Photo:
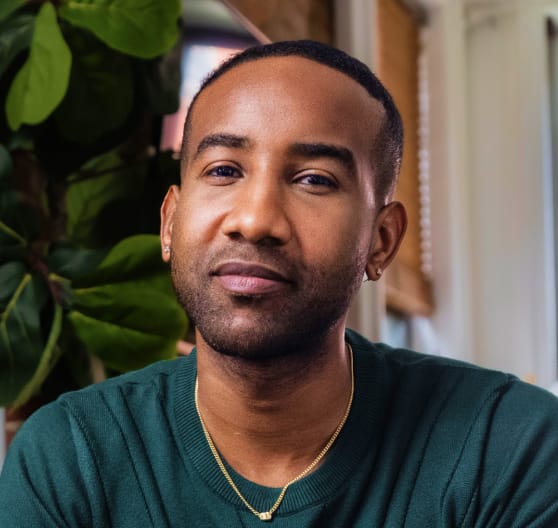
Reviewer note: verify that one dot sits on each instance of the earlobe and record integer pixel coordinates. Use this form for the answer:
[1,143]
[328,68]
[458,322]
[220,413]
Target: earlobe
[389,228]
[168,210]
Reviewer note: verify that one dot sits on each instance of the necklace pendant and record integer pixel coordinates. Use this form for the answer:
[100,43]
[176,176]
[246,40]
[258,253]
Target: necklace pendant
[265,516]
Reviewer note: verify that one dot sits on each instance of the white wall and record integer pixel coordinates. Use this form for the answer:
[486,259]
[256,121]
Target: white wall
[510,188]
[493,135]
[450,208]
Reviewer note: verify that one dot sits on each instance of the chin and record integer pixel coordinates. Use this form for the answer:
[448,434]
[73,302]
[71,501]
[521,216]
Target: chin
[263,343]
[249,346]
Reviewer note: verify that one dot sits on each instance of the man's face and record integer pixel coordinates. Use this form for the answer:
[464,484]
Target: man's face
[272,227]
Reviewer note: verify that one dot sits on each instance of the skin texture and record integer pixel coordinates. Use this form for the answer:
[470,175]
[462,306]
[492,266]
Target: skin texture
[271,232]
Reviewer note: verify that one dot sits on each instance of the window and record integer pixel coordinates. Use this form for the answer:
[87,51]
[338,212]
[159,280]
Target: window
[409,288]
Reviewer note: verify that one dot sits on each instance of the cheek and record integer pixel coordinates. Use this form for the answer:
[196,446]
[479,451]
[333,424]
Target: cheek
[335,234]
[196,220]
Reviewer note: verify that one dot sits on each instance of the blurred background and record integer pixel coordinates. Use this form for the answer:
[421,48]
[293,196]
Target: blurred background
[476,82]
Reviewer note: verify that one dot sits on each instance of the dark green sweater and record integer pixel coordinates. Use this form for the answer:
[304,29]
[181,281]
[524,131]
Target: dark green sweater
[429,442]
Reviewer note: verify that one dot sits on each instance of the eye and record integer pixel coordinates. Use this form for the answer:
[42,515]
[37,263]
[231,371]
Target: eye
[317,183]
[223,174]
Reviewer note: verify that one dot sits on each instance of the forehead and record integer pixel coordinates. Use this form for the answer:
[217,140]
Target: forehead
[288,98]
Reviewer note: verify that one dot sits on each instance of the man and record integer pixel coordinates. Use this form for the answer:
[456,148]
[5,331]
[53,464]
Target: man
[280,415]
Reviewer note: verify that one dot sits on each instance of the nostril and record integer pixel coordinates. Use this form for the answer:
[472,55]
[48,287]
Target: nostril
[235,235]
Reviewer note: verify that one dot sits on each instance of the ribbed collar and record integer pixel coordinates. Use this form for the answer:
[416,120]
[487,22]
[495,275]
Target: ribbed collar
[356,440]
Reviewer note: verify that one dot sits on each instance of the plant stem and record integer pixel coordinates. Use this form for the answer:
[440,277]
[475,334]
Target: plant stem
[10,232]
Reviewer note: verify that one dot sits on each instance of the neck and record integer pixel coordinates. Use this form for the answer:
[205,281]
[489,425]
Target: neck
[270,419]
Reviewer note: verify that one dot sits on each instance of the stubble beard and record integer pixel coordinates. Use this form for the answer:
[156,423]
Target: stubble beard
[294,323]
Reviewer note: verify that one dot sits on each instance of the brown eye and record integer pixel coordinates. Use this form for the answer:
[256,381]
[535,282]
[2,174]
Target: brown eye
[317,181]
[224,171]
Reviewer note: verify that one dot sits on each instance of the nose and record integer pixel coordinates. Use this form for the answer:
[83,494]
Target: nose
[258,214]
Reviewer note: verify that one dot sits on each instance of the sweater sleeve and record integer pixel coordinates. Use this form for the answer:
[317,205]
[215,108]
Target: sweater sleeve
[41,484]
[518,484]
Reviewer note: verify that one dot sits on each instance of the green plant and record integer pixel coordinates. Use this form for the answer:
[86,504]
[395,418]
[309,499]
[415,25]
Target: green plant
[84,84]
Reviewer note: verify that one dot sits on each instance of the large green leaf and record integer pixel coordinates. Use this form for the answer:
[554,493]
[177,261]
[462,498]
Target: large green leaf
[134,304]
[135,257]
[161,79]
[101,91]
[125,312]
[18,225]
[41,84]
[67,260]
[11,274]
[49,357]
[15,36]
[121,348]
[104,181]
[7,7]
[142,28]
[21,345]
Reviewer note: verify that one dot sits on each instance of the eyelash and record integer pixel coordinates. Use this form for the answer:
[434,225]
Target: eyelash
[322,180]
[233,171]
[225,173]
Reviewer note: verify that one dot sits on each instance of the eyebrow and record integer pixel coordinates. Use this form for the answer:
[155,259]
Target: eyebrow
[324,150]
[305,150]
[221,140]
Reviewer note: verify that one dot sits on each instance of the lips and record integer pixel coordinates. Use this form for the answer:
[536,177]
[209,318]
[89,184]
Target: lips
[250,279]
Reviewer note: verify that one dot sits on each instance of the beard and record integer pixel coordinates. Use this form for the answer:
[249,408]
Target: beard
[295,321]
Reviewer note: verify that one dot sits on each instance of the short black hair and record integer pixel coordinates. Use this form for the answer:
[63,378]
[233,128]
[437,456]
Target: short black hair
[388,148]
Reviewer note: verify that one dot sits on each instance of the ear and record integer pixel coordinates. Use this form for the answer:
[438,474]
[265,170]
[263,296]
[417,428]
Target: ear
[389,228]
[168,209]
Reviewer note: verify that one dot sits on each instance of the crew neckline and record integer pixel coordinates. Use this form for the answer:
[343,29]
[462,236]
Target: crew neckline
[355,441]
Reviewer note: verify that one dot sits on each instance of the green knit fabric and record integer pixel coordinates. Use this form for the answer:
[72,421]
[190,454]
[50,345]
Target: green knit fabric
[429,442]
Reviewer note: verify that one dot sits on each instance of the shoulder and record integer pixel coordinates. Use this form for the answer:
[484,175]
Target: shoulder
[486,435]
[433,374]
[106,410]
[88,446]
[460,400]
[496,436]
[41,464]
[409,358]
[154,381]
[62,419]
[152,375]
[456,381]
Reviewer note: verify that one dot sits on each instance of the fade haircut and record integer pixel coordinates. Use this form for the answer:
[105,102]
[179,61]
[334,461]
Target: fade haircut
[388,148]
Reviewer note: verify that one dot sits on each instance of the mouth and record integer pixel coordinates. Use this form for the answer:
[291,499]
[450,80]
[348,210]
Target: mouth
[250,279]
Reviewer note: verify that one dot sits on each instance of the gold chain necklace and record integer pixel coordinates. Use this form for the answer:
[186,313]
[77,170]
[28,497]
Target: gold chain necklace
[266,515]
